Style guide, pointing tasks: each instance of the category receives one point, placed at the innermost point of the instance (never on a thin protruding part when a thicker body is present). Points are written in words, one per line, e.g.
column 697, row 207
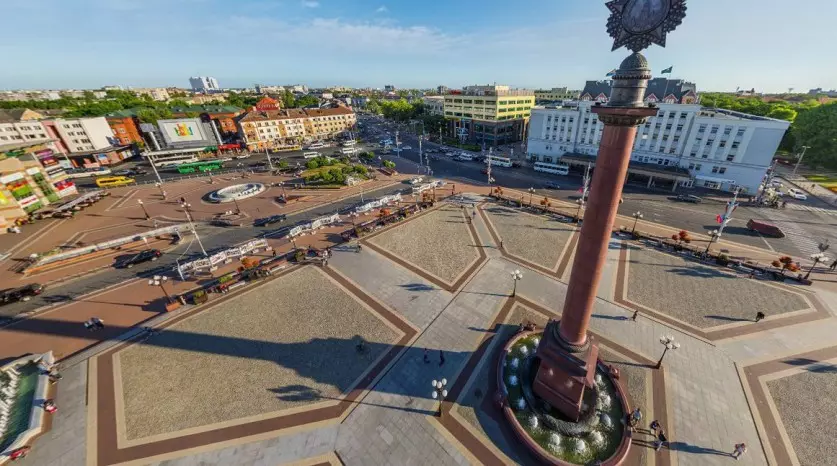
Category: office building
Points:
column 389, row 88
column 489, row 114
column 272, row 128
column 683, row 145
column 87, row 142
column 434, row 105
column 205, row 84
column 555, row 94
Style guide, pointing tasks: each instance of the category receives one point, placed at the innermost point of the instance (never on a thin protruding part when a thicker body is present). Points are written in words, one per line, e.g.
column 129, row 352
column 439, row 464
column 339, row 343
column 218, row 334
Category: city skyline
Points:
column 362, row 43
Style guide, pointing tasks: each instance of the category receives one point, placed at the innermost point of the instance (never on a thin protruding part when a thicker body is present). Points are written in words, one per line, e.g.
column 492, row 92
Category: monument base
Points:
column 565, row 372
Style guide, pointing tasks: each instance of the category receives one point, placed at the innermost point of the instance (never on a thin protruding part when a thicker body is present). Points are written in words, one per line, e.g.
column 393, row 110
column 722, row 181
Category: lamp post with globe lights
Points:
column 160, row 280
column 668, row 344
column 439, row 392
column 531, row 192
column 817, row 258
column 517, row 275
column 636, row 215
column 142, row 204
column 713, row 236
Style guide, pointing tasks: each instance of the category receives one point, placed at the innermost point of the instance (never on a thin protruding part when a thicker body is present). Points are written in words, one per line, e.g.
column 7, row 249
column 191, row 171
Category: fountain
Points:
column 561, row 401
column 235, row 192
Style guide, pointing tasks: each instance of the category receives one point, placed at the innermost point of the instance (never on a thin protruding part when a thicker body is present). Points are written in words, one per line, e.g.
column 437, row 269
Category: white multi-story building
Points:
column 434, row 105
column 160, row 94
column 684, row 144
column 204, row 83
column 82, row 134
column 21, row 125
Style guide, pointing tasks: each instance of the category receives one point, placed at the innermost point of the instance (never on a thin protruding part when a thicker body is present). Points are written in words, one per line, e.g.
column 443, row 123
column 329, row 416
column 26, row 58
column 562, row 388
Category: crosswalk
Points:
column 800, row 238
column 821, row 210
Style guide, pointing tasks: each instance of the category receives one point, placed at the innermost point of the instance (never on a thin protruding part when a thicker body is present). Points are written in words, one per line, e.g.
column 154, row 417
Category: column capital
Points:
column 624, row 116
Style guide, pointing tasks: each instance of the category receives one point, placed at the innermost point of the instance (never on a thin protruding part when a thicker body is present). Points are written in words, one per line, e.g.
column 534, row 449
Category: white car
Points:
column 407, row 148
column 797, row 194
column 416, row 180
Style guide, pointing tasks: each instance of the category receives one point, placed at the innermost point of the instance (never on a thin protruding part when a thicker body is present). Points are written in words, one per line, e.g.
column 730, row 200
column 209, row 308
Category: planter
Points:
column 171, row 306
column 200, row 298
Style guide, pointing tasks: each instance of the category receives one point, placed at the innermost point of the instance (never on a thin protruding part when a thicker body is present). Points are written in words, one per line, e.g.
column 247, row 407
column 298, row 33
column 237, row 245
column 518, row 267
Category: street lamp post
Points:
column 160, row 280
column 516, row 276
column 282, row 185
column 142, row 204
column 795, row 167
column 713, row 236
column 637, row 215
column 578, row 211
column 817, row 258
column 440, row 392
column 668, row 344
column 186, row 206
column 531, row 193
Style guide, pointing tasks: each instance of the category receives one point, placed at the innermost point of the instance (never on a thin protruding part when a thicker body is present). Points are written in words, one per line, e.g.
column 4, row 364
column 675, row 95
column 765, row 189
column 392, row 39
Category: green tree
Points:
column 288, row 100
column 389, row 164
column 307, row 101
column 817, row 128
column 312, row 164
column 283, row 164
column 781, row 112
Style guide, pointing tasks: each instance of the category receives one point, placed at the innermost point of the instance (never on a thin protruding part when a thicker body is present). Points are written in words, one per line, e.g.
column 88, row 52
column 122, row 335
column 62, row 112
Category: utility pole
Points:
column 421, row 161
column 795, row 167
column 157, row 174
column 488, row 169
column 186, row 207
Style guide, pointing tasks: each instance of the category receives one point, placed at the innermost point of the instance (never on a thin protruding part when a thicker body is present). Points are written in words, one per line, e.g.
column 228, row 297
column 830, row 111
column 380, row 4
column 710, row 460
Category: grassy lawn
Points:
column 828, row 182
column 317, row 171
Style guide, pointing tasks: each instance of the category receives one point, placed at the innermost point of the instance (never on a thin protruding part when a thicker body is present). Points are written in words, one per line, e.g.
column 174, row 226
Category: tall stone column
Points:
column 567, row 356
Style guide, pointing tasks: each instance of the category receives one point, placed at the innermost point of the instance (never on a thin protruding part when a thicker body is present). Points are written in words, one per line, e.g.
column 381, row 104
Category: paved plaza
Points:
column 271, row 375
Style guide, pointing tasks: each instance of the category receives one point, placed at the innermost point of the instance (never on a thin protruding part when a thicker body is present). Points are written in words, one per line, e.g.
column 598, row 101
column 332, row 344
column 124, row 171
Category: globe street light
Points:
column 439, row 392
column 637, row 215
column 160, row 187
column 817, row 258
column 668, row 344
column 580, row 203
column 147, row 217
column 159, row 280
column 531, row 192
column 713, row 236
column 516, row 276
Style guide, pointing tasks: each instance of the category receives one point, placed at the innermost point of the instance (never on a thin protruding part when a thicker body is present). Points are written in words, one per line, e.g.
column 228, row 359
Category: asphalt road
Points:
column 213, row 238
column 805, row 223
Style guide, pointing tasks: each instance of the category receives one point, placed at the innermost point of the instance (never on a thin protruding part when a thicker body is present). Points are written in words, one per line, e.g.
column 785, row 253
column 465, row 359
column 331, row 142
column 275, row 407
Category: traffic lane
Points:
column 213, row 238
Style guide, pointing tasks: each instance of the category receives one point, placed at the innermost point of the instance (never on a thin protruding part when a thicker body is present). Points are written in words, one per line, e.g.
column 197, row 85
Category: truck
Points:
column 765, row 229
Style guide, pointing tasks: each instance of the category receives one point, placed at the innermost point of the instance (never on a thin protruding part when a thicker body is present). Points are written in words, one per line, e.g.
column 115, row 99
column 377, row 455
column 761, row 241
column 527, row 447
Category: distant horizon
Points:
column 535, row 44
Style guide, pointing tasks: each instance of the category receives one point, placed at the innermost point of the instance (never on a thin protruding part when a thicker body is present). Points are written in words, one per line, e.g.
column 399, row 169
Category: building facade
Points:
column 683, row 145
column 556, row 94
column 125, row 127
column 21, row 125
column 205, row 84
column 670, row 91
column 286, row 129
column 434, row 105
column 160, row 94
column 489, row 114
column 82, row 134
column 223, row 117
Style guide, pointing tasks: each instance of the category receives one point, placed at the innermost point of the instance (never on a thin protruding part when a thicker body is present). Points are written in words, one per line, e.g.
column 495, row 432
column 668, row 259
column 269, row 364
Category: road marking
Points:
column 766, row 243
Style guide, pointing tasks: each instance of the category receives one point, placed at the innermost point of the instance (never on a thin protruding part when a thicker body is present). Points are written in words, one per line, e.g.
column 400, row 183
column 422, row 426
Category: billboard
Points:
column 182, row 130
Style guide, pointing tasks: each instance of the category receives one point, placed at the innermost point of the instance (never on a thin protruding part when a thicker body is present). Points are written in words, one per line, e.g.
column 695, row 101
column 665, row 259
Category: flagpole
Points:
column 668, row 72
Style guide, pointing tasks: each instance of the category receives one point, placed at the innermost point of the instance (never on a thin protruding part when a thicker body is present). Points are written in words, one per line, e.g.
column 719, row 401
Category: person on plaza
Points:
column 501, row 244
column 88, row 324
column 97, row 323
column 654, row 426
column 661, row 440
column 740, row 449
column 759, row 316
column 20, row 453
column 833, row 265
column 636, row 417
column 441, row 358
column 636, row 314
column 359, row 247
column 49, row 406
column 426, row 356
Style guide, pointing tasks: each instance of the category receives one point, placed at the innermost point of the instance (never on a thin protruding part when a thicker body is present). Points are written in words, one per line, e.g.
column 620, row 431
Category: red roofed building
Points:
column 268, row 104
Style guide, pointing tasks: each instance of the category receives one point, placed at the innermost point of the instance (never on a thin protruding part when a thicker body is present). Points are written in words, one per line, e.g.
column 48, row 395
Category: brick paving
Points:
column 534, row 238
column 704, row 403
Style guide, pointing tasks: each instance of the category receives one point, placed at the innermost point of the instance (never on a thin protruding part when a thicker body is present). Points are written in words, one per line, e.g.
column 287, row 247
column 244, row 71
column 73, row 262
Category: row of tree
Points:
column 812, row 124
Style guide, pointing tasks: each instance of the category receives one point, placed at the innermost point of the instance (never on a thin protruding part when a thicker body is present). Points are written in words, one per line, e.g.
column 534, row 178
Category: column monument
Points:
column 566, row 352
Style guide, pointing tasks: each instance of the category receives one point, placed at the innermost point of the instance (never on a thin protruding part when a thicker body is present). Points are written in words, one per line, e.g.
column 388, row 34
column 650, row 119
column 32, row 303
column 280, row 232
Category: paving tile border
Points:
column 451, row 287
column 713, row 334
column 774, row 439
column 563, row 260
column 485, row 452
column 103, row 446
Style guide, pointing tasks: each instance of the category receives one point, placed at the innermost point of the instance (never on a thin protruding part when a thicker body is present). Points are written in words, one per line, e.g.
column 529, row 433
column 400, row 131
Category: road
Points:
column 213, row 238
column 805, row 223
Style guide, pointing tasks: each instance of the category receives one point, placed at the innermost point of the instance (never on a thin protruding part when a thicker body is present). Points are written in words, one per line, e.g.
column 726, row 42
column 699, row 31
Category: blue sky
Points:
column 722, row 44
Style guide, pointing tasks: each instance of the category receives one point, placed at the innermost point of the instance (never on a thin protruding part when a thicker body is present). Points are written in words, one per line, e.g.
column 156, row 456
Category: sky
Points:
column 722, row 44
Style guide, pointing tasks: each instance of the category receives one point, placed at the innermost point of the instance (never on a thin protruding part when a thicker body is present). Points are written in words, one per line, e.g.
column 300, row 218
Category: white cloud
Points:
column 382, row 9
column 310, row 4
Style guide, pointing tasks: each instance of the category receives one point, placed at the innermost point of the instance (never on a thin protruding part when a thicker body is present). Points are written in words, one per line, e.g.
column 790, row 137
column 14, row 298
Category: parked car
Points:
column 143, row 256
column 552, row 185
column 688, row 198
column 266, row 221
column 765, row 229
column 797, row 194
column 24, row 293
column 516, row 165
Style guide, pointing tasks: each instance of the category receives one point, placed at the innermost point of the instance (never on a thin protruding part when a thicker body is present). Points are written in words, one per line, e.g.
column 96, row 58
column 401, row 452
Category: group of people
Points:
column 660, row 437
column 94, row 323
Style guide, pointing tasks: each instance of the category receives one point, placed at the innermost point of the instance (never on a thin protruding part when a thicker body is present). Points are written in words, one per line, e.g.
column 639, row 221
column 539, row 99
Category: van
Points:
column 113, row 181
column 311, row 155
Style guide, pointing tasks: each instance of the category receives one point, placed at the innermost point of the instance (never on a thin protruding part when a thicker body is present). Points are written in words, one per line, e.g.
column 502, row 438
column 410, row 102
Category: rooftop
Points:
column 294, row 113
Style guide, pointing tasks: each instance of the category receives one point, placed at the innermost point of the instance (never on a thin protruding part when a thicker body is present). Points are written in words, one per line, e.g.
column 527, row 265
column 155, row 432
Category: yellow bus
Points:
column 113, row 181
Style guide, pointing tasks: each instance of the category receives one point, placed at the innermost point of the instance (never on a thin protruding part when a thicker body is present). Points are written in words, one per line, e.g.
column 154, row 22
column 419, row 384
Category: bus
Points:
column 349, row 143
column 497, row 161
column 311, row 155
column 206, row 166
column 316, row 145
column 174, row 160
column 113, row 181
column 556, row 169
column 348, row 150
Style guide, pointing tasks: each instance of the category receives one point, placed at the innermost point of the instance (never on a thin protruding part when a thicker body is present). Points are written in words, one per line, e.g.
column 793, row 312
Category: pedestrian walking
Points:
column 655, row 425
column 752, row 273
column 759, row 316
column 274, row 253
column 633, row 318
column 740, row 449
column 661, row 440
column 441, row 358
column 833, row 265
column 501, row 244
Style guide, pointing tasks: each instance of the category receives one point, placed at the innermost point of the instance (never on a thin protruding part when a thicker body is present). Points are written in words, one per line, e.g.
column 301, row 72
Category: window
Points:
column 668, row 126
column 727, row 130
column 675, row 138
column 722, row 170
column 714, row 130
column 709, row 142
column 715, row 169
column 735, row 144
column 682, row 115
column 722, row 144
column 679, row 127
column 741, row 132
column 693, row 154
column 702, row 129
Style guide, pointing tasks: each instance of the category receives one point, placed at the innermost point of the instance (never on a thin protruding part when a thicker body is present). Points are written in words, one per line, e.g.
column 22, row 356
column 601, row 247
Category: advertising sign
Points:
column 184, row 130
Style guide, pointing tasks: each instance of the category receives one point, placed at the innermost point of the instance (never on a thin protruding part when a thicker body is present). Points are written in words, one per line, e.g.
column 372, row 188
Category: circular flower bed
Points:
column 235, row 192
